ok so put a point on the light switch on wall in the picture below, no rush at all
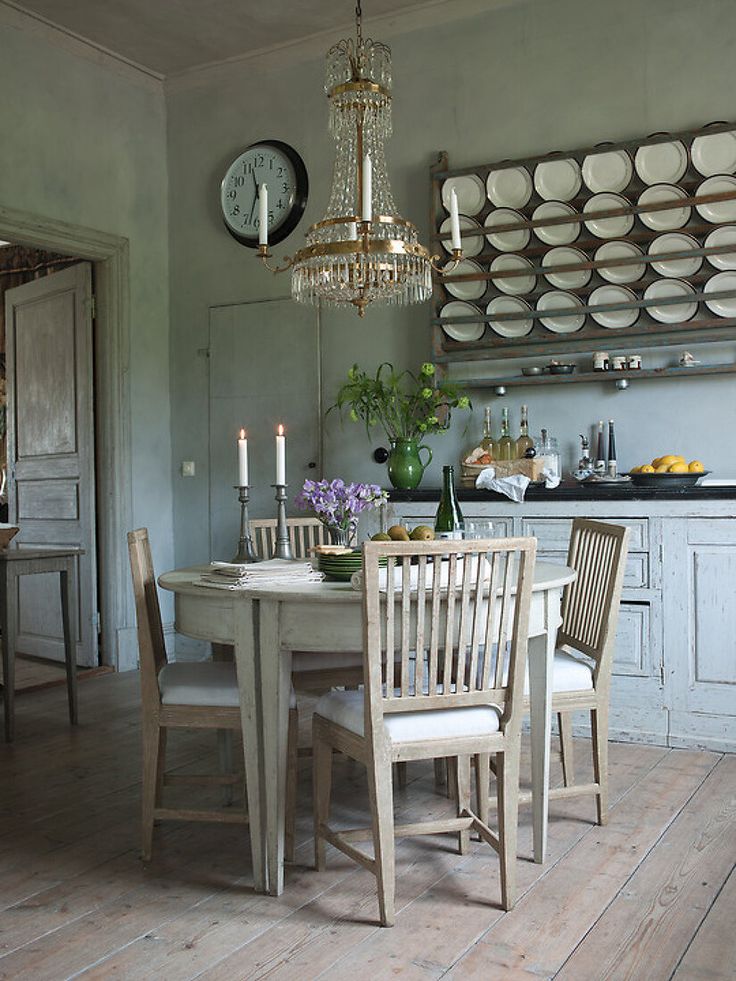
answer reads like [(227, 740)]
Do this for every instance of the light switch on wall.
[(187, 468)]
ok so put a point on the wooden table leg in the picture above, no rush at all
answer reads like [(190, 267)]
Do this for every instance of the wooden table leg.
[(248, 684), (8, 585), (541, 656), (275, 697), (67, 580)]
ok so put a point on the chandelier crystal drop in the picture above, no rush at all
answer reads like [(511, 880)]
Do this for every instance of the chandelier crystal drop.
[(362, 251)]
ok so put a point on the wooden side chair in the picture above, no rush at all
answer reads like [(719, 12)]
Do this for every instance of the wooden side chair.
[(590, 609), (410, 709), (184, 695)]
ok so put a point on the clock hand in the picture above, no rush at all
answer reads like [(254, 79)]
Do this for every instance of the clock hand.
[(255, 201)]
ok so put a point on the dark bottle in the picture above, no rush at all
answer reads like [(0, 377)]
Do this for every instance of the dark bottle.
[(449, 522), (600, 461), (612, 464)]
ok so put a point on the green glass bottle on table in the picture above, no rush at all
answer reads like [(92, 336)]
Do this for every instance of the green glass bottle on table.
[(506, 445), (449, 522)]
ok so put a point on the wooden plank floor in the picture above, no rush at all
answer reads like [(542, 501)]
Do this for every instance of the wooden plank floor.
[(649, 896)]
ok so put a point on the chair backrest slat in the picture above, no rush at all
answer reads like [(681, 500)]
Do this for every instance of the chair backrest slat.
[(590, 603), (457, 607), (151, 646), (304, 534)]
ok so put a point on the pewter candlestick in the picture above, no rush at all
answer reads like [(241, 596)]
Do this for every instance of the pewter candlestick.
[(246, 549), (282, 545)]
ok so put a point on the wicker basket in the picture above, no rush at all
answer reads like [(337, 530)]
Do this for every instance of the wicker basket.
[(504, 468)]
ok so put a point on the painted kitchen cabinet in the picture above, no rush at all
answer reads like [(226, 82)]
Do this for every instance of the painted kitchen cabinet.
[(674, 674)]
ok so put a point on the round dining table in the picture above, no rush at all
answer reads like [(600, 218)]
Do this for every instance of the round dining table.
[(266, 623)]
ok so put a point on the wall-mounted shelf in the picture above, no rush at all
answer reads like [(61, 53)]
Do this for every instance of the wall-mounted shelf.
[(704, 200), (517, 381)]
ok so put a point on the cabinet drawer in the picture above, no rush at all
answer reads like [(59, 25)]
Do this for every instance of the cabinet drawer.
[(636, 573), (632, 655), (711, 531), (554, 533)]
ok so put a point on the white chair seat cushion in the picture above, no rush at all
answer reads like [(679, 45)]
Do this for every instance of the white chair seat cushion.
[(306, 661), (569, 673), (199, 683), (345, 708)]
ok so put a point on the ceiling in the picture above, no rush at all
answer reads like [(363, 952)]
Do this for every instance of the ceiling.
[(168, 37)]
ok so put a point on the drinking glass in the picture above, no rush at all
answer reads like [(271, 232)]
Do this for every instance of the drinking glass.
[(478, 528)]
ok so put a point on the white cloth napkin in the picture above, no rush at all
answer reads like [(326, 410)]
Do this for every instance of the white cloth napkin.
[(513, 487), (356, 580), (232, 575)]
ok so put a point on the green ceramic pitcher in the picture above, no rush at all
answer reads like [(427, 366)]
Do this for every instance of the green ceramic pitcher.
[(405, 468)]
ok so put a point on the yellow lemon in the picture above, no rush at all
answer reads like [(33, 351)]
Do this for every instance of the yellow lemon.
[(678, 468), (635, 469), (662, 468), (669, 460), (696, 467), (647, 468), (656, 461)]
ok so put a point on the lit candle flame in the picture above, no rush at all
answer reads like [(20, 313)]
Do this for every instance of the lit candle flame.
[(242, 434), (280, 430)]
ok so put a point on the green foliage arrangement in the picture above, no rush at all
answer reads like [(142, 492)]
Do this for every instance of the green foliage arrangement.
[(405, 405)]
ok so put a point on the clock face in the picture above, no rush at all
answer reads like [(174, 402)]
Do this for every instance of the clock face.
[(282, 170)]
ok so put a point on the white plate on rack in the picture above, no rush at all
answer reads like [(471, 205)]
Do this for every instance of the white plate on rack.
[(570, 279), (661, 163), (613, 319), (509, 187), (472, 244), (725, 235), (557, 302), (516, 284), (562, 234), (462, 332), (557, 180), (610, 170), (671, 313), (510, 304), (724, 306), (471, 194), (714, 153), (668, 219), (629, 273), (468, 289), (509, 241), (717, 211), (607, 227), (675, 242)]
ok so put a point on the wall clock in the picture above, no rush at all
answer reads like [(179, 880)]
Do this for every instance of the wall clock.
[(280, 167)]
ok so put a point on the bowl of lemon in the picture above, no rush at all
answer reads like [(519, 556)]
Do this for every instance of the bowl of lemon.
[(672, 470)]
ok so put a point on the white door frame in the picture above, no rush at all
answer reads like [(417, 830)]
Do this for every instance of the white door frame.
[(109, 253)]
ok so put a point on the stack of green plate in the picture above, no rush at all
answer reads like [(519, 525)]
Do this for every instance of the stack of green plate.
[(340, 568)]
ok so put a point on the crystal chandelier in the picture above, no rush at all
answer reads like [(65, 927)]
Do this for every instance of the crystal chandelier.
[(362, 251)]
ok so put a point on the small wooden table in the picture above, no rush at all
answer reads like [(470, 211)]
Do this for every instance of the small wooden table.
[(266, 623), (19, 561)]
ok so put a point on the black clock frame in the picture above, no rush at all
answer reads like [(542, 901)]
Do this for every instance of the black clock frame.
[(301, 193)]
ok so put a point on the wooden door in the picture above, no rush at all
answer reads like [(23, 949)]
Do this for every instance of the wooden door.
[(51, 494), (264, 370)]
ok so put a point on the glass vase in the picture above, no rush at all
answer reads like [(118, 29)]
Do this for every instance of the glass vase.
[(341, 536)]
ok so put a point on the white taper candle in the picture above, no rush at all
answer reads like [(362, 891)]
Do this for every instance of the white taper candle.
[(280, 456), (263, 215), (455, 221), (367, 188), (242, 460)]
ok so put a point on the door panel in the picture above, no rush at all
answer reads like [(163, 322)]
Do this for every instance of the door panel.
[(264, 370), (51, 489)]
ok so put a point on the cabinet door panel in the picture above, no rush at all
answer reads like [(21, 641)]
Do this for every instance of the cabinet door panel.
[(636, 573), (555, 532)]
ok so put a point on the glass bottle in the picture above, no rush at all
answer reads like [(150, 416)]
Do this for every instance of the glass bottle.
[(488, 443), (612, 463), (506, 446), (524, 442), (449, 522), (600, 461)]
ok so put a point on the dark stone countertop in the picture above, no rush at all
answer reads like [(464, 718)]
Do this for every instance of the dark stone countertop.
[(573, 491)]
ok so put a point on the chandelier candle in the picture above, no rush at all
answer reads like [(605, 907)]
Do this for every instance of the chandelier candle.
[(263, 215), (367, 188)]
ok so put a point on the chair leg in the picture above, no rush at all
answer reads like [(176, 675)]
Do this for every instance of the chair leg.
[(462, 794), (564, 721), (292, 776), (599, 727), (440, 772), (451, 766), (154, 751), (482, 784), (322, 787), (382, 812), (225, 756), (401, 774), (507, 781)]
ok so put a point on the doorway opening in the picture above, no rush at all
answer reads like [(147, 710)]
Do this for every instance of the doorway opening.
[(108, 255)]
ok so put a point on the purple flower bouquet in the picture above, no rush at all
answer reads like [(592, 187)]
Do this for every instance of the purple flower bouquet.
[(337, 504)]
